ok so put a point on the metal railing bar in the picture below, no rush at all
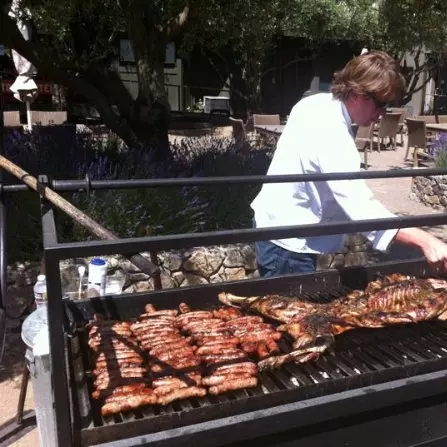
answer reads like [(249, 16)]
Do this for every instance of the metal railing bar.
[(79, 185), (181, 241)]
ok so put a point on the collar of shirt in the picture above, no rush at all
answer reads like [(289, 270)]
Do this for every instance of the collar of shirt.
[(348, 119)]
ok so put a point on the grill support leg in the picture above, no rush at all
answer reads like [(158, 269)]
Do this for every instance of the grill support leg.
[(22, 396)]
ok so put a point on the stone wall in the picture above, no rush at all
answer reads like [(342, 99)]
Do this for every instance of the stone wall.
[(189, 267), (431, 191)]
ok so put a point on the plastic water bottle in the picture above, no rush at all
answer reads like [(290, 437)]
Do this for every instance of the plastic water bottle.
[(40, 296), (97, 274)]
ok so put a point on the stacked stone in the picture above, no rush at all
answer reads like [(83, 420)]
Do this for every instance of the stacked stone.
[(355, 252), (188, 268), (431, 191)]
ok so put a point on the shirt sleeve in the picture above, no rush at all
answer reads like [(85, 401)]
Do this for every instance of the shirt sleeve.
[(339, 154)]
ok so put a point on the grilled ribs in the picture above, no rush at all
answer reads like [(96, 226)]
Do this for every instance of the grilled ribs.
[(396, 299)]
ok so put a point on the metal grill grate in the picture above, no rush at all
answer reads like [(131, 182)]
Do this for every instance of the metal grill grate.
[(359, 358)]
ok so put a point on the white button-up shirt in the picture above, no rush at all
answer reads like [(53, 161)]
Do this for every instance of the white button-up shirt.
[(318, 139)]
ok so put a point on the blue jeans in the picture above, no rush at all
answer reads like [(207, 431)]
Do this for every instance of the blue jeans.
[(273, 260)]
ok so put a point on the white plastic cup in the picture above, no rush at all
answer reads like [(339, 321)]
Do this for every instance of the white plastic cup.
[(97, 274)]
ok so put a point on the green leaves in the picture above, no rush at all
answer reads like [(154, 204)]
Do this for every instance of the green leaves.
[(326, 20), (410, 24)]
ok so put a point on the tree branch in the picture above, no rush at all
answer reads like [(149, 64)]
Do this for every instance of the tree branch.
[(48, 63), (290, 63), (223, 79), (174, 26)]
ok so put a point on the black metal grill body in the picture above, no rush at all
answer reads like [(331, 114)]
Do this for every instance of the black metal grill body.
[(365, 376), (393, 378)]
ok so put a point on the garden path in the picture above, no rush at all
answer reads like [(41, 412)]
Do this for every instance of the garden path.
[(394, 193)]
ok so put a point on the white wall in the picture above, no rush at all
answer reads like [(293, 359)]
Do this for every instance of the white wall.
[(418, 100), (173, 82)]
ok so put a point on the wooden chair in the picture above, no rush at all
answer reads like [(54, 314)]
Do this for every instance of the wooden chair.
[(388, 126), (262, 120), (428, 119), (364, 141), (417, 139), (401, 126), (242, 138), (11, 118), (249, 125)]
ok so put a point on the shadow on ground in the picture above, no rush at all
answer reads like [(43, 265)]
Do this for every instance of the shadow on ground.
[(11, 431), (14, 357), (19, 304)]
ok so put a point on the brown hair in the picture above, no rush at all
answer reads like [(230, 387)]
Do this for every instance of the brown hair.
[(375, 73)]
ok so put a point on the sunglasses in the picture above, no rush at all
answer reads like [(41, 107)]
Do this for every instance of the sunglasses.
[(379, 104)]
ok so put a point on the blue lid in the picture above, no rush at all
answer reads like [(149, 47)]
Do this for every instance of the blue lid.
[(97, 261)]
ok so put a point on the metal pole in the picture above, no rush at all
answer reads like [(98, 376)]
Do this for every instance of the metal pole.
[(3, 261)]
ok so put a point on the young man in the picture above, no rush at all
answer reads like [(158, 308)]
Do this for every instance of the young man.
[(318, 139)]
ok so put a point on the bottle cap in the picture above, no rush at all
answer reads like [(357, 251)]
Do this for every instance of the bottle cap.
[(41, 277), (97, 261)]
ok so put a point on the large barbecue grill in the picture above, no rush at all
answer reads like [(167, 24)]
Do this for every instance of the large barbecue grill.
[(376, 387)]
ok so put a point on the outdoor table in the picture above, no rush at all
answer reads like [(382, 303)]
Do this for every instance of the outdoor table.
[(270, 129), (437, 127), (35, 336)]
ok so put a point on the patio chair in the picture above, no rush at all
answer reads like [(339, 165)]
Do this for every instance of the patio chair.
[(262, 120), (364, 141), (51, 118), (401, 126), (442, 119), (11, 118), (417, 139), (242, 138), (428, 119), (388, 126)]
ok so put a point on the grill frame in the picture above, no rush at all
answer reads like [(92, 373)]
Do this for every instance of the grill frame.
[(251, 424), (124, 307)]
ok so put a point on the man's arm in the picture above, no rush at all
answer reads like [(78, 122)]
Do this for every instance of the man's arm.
[(433, 248)]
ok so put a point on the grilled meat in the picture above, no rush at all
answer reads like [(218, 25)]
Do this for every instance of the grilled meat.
[(395, 299), (184, 308), (181, 393), (218, 346), (159, 313), (118, 390), (227, 313), (271, 306), (234, 384), (188, 379), (128, 401)]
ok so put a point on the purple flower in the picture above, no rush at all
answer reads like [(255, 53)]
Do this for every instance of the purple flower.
[(438, 147)]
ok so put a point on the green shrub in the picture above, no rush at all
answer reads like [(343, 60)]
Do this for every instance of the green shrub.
[(441, 160)]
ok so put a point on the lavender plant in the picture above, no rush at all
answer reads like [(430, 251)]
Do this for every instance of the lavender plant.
[(138, 212), (438, 150)]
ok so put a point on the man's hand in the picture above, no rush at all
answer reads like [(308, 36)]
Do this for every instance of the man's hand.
[(435, 251), (433, 248)]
